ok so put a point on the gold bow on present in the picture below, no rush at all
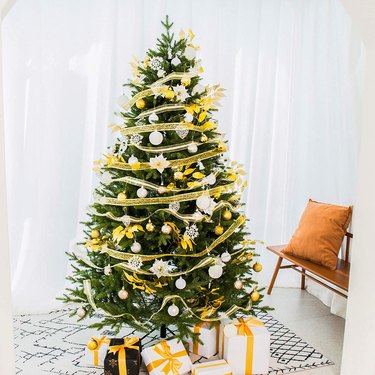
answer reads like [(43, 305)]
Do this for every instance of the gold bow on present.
[(243, 326), (121, 350), (99, 342), (173, 363)]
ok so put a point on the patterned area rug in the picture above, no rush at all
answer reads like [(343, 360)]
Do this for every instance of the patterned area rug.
[(54, 343)]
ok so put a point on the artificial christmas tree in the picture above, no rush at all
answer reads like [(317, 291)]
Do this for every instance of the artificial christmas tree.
[(166, 239)]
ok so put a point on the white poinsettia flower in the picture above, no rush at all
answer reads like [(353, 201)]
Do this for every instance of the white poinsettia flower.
[(160, 268), (210, 179), (181, 93), (159, 163)]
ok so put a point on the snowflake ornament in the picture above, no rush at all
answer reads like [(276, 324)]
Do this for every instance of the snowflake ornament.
[(160, 268), (135, 262), (141, 122), (192, 231), (136, 139), (155, 63), (174, 206)]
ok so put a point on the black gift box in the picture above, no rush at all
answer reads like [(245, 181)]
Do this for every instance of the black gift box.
[(132, 359)]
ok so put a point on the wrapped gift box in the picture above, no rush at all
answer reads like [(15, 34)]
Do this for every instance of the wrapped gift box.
[(167, 358), (219, 367), (245, 345), (123, 357), (95, 357), (209, 337)]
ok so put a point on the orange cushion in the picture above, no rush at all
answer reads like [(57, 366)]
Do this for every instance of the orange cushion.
[(320, 233)]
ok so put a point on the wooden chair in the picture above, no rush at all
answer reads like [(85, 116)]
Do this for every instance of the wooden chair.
[(339, 278)]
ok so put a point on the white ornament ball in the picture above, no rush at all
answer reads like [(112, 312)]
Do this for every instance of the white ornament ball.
[(142, 192), (198, 89), (188, 117), (180, 283), (81, 312), (193, 148), (238, 284), (123, 294), (173, 310), (153, 117), (176, 61), (166, 229), (203, 202), (155, 138), (107, 270), (122, 100), (190, 53), (215, 271), (225, 257), (136, 247), (133, 159)]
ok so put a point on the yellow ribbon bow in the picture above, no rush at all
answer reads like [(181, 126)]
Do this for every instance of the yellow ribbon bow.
[(99, 342), (121, 350), (173, 363)]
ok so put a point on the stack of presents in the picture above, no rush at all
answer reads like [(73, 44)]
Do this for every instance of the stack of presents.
[(243, 346)]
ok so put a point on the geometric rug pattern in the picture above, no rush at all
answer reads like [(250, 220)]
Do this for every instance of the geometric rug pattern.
[(54, 344)]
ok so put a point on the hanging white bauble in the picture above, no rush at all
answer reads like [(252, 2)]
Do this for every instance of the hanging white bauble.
[(203, 202), (166, 229), (198, 89), (215, 271), (188, 117), (136, 247), (107, 270), (225, 257), (122, 100), (81, 312), (142, 192), (173, 310), (155, 138), (176, 61), (190, 53), (153, 117), (238, 284), (180, 283), (133, 159), (123, 294), (192, 148)]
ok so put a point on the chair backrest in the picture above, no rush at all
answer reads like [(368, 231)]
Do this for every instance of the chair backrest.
[(349, 236)]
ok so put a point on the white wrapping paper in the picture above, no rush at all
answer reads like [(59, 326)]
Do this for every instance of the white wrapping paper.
[(220, 367), (96, 357), (209, 337)]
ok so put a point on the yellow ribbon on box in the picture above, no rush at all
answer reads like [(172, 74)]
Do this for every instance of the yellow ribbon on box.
[(172, 363), (197, 329), (121, 350), (208, 365), (100, 341)]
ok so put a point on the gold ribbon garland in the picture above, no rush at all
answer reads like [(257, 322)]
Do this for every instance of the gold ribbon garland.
[(162, 109), (88, 292), (121, 350), (172, 76)]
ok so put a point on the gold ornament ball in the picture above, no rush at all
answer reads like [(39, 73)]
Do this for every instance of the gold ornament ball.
[(178, 175), (219, 230), (186, 81), (95, 233), (121, 196), (238, 284), (227, 215), (150, 227), (123, 294), (92, 344), (204, 138), (169, 94), (254, 296), (257, 267), (140, 104)]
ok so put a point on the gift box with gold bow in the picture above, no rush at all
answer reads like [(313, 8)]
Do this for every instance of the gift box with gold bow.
[(245, 344), (96, 351), (123, 357), (167, 358), (219, 367), (209, 337)]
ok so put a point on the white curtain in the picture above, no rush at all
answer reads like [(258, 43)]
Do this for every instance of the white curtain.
[(289, 113)]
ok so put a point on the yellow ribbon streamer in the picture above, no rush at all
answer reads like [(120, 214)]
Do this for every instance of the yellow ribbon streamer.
[(88, 292), (171, 361), (121, 350), (99, 342), (172, 76), (161, 109)]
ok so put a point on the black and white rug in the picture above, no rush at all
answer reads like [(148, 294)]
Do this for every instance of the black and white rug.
[(54, 343)]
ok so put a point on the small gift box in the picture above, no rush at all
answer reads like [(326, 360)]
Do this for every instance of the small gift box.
[(123, 357), (245, 345), (219, 367), (209, 337), (95, 351), (167, 358)]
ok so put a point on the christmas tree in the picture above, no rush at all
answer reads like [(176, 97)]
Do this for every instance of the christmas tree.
[(166, 239)]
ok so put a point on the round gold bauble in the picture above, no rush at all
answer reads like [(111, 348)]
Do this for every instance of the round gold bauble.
[(219, 230), (121, 196), (185, 81), (169, 94), (254, 296), (257, 267), (204, 138), (150, 227), (238, 284), (95, 233), (123, 294), (227, 215), (140, 104), (92, 344), (178, 175)]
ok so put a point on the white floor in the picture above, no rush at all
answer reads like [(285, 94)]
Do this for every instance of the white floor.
[(309, 318)]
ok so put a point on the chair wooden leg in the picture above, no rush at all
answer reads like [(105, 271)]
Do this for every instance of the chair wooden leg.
[(303, 279), (275, 272)]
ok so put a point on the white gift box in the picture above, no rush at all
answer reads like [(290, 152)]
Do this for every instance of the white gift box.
[(219, 367), (245, 345), (208, 336), (96, 357), (166, 355)]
